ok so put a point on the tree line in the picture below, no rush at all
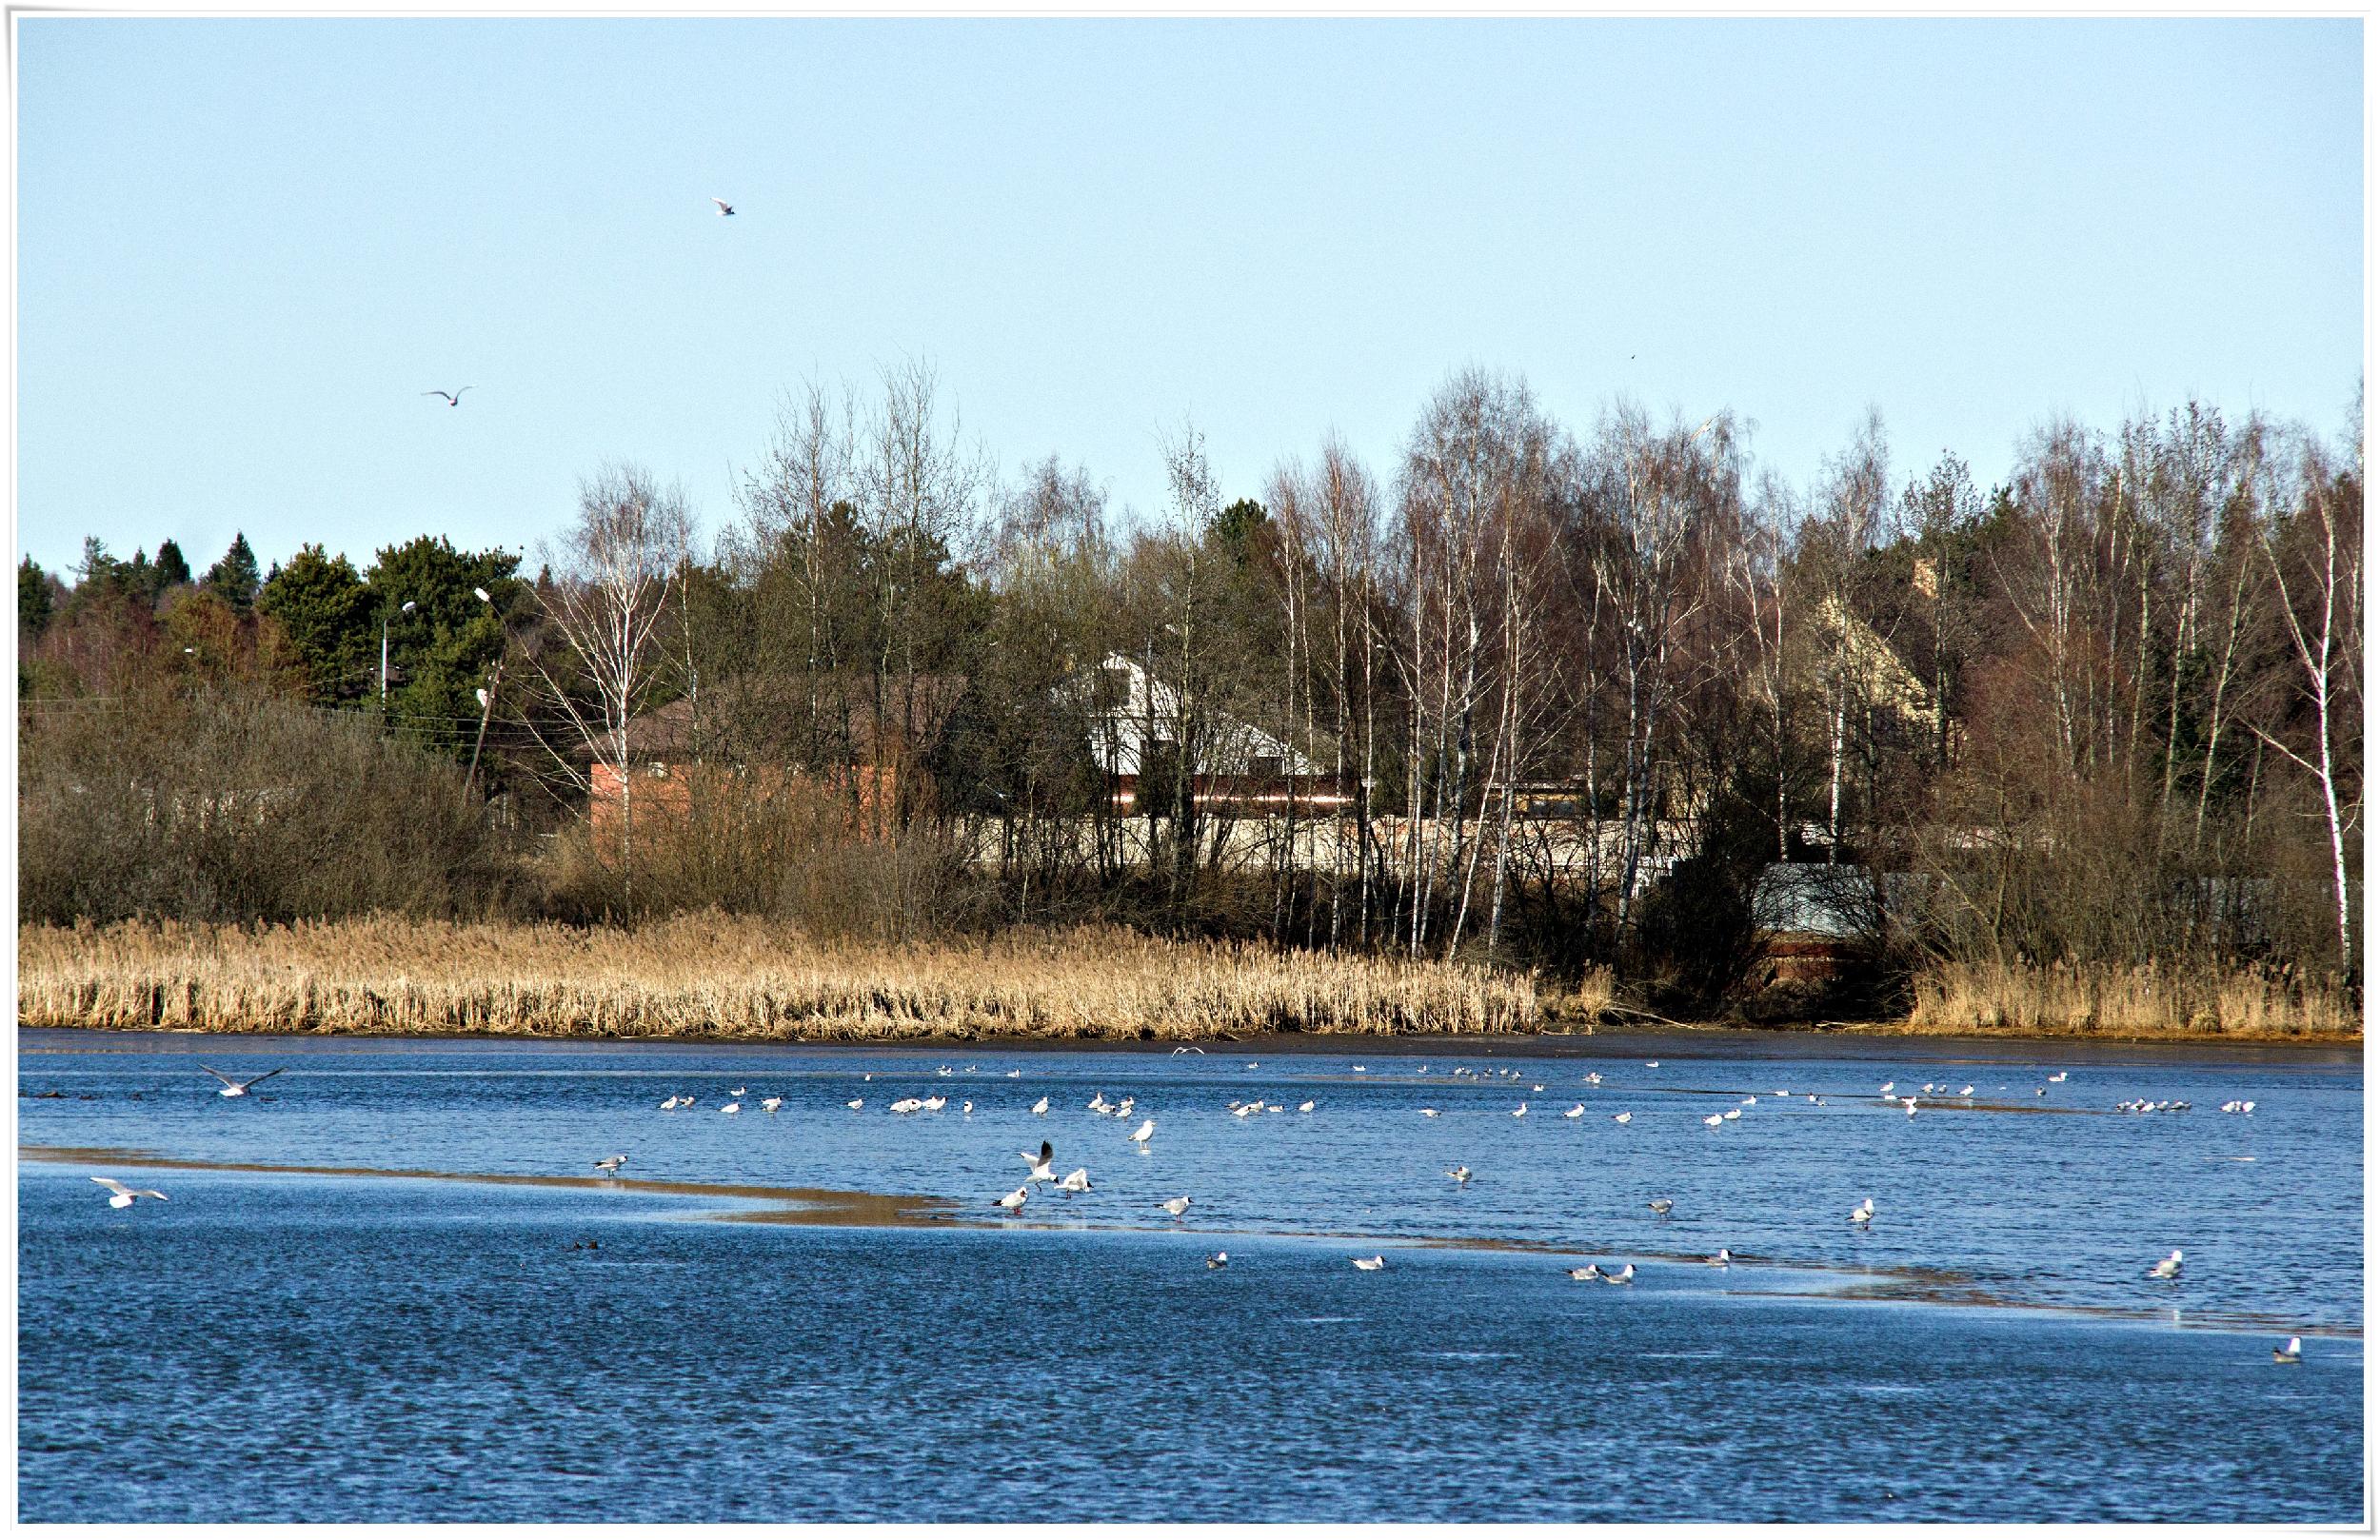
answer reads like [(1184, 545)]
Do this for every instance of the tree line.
[(1567, 693)]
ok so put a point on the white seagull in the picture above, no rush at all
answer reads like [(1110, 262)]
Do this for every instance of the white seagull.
[(1622, 1117), (239, 1088), (855, 1104), (1176, 1206), (1370, 1264), (1585, 1274), (1140, 1135), (2169, 1268), (2280, 1355), (1580, 1110), (1712, 1121), (732, 1108), (611, 1165), (123, 1196), (1884, 1089), (1731, 1115), (771, 1104), (669, 1106), (1521, 1111), (1305, 1106), (1723, 1258), (1219, 1259), (1077, 1180), (1013, 1202), (2058, 1077), (1041, 1107), (724, 206), (1866, 1212), (1460, 1174), (1626, 1275), (1429, 1112), (1660, 1207), (1038, 1164), (453, 398)]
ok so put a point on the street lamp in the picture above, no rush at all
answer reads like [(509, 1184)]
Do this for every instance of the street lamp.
[(407, 609)]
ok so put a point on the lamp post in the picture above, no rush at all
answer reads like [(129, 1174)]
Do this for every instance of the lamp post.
[(407, 609), (486, 699)]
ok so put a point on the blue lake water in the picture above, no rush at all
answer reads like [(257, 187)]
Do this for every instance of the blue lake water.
[(296, 1344)]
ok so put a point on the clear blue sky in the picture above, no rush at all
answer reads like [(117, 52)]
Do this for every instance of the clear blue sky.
[(247, 246)]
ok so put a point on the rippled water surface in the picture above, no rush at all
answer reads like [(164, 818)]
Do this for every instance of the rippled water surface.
[(331, 1340)]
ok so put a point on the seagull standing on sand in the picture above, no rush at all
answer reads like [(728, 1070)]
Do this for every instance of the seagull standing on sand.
[(1370, 1264), (2168, 1269), (239, 1088), (123, 1196)]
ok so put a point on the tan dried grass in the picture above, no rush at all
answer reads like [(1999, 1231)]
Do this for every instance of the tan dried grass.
[(2172, 1001), (710, 976)]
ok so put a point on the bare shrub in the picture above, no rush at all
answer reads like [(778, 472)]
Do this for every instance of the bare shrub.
[(234, 806)]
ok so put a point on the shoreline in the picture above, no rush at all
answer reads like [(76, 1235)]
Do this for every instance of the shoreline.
[(1677, 1038)]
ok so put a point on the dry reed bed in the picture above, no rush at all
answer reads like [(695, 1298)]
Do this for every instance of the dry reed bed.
[(713, 977), (2146, 1002)]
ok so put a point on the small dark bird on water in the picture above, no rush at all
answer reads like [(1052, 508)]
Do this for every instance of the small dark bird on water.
[(452, 397)]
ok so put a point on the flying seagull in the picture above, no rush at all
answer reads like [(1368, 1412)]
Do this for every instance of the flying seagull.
[(1039, 1171), (123, 1196), (611, 1165), (452, 397), (724, 206), (239, 1088)]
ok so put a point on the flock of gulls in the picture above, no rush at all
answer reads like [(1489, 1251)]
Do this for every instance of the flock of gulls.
[(1040, 1164)]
